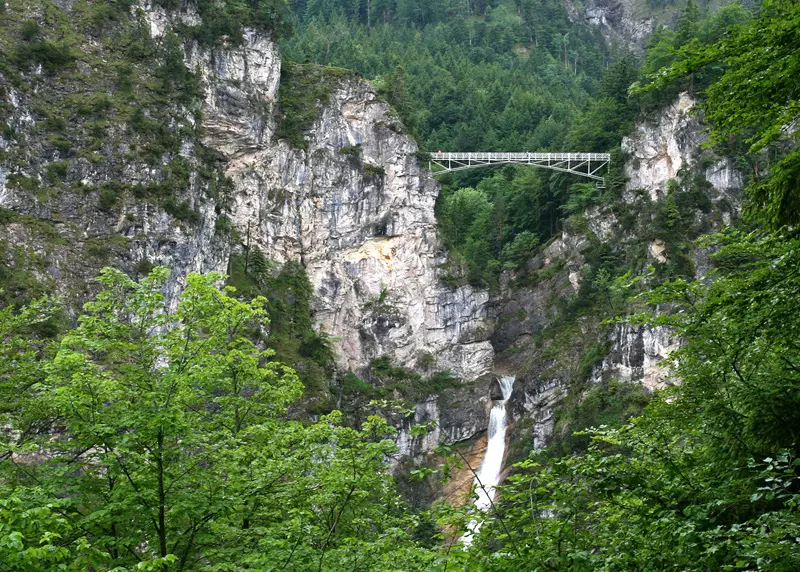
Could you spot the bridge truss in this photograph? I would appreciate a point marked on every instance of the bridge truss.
(587, 165)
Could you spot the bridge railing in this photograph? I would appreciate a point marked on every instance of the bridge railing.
(582, 164)
(521, 156)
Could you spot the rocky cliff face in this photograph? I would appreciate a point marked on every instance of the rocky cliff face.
(659, 148)
(629, 23)
(671, 141)
(626, 22)
(364, 229)
(540, 332)
(637, 356)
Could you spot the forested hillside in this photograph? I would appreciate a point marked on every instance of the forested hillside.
(502, 76)
(158, 416)
(463, 77)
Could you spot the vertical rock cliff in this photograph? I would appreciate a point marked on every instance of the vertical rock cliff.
(625, 22)
(354, 206)
(548, 322)
(664, 144)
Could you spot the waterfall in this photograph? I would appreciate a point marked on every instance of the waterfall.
(488, 475)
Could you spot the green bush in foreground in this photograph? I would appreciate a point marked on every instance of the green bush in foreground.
(153, 438)
(708, 478)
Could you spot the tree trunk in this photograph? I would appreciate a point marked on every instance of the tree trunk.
(162, 499)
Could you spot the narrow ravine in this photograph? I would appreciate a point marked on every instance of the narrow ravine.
(488, 475)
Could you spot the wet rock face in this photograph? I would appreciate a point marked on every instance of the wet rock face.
(637, 356)
(538, 403)
(725, 178)
(495, 390)
(457, 415)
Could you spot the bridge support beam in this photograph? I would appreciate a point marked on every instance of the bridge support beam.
(587, 165)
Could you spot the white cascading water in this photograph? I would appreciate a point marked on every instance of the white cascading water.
(488, 475)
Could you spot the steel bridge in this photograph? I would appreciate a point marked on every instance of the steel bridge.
(586, 165)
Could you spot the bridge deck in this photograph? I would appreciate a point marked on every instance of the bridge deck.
(583, 164)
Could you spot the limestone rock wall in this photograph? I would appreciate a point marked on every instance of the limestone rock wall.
(534, 339)
(364, 229)
(625, 22)
(637, 356)
(660, 147)
(629, 23)
(366, 236)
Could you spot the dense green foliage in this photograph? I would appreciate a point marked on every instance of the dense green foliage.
(291, 332)
(480, 76)
(756, 98)
(707, 478)
(519, 205)
(166, 425)
(165, 428)
(669, 46)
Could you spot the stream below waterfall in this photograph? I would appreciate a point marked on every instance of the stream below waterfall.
(488, 475)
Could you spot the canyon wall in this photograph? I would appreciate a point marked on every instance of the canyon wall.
(354, 206)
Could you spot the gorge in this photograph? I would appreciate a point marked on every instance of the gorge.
(245, 328)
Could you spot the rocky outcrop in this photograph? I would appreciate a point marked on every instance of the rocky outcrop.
(362, 222)
(661, 146)
(628, 23)
(539, 404)
(519, 313)
(725, 178)
(452, 416)
(638, 355)
(669, 142)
